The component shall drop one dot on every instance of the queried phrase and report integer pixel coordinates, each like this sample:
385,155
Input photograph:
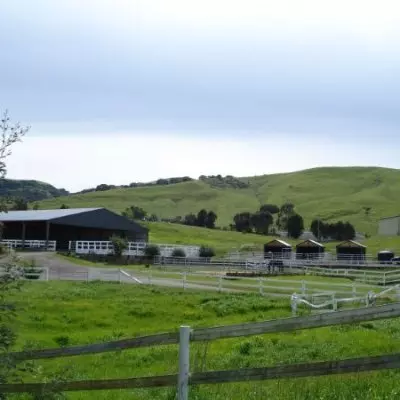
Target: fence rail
30,244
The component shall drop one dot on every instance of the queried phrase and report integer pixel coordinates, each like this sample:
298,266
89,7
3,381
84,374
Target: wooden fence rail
361,364
205,334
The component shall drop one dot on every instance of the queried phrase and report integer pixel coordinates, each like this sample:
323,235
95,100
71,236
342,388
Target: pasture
52,314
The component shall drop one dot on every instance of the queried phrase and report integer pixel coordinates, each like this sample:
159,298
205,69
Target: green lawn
329,193
61,313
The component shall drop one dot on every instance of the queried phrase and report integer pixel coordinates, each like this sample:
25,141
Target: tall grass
56,314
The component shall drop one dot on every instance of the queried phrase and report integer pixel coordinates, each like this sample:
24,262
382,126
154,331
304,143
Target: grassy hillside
29,190
328,193
86,315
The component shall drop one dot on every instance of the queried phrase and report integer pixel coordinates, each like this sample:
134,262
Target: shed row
310,248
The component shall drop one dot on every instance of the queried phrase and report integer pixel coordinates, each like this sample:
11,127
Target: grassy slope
331,193
85,314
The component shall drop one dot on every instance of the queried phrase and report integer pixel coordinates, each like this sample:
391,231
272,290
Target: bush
206,252
31,271
119,243
152,250
178,253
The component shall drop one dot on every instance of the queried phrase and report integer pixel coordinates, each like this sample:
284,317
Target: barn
309,249
350,250
277,249
65,225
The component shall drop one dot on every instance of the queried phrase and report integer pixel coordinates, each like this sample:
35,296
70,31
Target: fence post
261,287
149,278
293,304
184,281
184,363
119,276
384,279
365,276
220,283
334,303
303,287
354,290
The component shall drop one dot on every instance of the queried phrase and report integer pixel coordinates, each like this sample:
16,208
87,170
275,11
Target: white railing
134,248
368,299
30,244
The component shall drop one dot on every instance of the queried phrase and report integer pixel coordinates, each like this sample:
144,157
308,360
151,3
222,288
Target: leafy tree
295,225
134,212
261,221
178,253
10,133
315,228
206,252
271,208
202,218
152,251
211,218
19,204
242,222
64,206
35,206
119,243
285,212
190,219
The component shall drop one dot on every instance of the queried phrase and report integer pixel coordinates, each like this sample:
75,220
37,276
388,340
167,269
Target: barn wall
389,226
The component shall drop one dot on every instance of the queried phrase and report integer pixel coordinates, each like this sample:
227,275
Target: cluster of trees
203,218
262,221
138,213
335,231
228,181
161,182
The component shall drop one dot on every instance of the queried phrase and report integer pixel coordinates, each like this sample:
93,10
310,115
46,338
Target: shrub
119,243
178,253
206,252
31,271
152,250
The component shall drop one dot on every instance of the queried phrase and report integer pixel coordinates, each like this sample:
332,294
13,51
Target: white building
389,226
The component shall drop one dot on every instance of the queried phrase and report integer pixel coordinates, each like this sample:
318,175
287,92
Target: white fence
30,244
134,248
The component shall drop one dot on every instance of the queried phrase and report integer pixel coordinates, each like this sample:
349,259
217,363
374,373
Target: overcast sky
118,91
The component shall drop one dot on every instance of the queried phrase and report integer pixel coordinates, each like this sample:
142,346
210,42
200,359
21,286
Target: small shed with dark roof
350,250
277,249
71,224
309,249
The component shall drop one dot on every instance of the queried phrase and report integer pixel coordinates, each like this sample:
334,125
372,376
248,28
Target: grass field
225,241
329,193
56,314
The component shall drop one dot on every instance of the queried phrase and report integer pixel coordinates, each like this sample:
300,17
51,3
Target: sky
120,91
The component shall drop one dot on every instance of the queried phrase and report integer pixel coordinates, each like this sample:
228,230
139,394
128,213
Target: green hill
29,190
331,193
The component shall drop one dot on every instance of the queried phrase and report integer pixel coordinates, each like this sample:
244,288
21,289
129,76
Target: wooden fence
186,335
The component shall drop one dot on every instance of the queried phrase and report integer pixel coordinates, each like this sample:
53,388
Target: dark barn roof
350,244
83,217
278,243
310,243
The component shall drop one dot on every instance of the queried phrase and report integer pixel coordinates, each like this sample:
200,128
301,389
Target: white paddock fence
134,248
30,244
368,299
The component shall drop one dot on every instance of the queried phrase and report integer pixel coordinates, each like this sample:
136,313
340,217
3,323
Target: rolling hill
331,193
30,190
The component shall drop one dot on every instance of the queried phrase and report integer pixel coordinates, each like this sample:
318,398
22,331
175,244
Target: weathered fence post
303,287
261,287
46,275
149,278
354,290
119,276
184,363
293,304
184,281
220,283
384,279
334,304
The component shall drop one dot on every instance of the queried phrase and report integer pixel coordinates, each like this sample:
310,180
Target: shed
64,225
385,256
309,249
277,249
350,250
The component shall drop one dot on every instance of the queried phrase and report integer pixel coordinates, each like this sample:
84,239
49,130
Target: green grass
330,193
55,313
